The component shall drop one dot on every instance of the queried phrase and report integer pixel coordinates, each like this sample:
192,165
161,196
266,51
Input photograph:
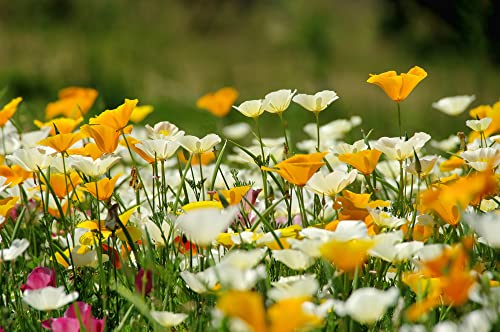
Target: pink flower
70,322
144,283
40,277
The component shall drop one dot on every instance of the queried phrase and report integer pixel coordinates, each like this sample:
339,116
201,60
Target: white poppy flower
448,144
48,298
385,219
454,105
278,101
343,147
367,305
167,318
396,148
482,158
487,226
317,102
293,287
164,129
243,259
252,108
199,145
160,148
294,259
16,249
198,282
479,125
235,278
427,164
446,326
31,139
202,226
331,184
388,248
31,159
237,130
91,167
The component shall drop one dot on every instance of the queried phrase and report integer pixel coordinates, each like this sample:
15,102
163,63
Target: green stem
399,120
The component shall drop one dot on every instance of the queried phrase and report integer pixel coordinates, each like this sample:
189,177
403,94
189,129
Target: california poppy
73,102
299,168
117,118
218,103
8,110
364,161
398,87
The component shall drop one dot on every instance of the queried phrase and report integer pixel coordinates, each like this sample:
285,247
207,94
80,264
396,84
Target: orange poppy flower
73,103
132,142
364,161
61,142
14,174
105,137
102,189
117,118
453,163
8,110
252,311
486,111
89,150
58,182
63,125
398,87
446,200
299,168
204,158
218,103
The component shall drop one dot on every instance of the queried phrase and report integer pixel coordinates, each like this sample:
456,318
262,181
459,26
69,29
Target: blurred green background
168,53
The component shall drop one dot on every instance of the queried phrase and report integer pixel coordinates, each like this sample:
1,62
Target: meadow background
168,53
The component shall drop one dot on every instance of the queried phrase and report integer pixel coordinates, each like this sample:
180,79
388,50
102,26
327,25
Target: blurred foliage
170,52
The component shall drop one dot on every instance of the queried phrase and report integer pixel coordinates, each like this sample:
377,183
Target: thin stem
288,148
399,121
263,173
317,131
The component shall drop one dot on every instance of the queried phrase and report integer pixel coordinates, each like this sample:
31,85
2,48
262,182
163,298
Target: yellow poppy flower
61,142
251,311
250,308
73,103
299,168
117,118
99,229
364,161
204,158
102,189
234,195
218,103
347,255
140,113
8,110
6,204
398,87
63,125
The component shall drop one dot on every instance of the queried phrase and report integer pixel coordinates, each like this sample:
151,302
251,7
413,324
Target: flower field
111,224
